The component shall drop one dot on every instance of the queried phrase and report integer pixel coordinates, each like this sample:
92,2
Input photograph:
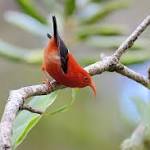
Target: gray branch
108,63
131,39
138,140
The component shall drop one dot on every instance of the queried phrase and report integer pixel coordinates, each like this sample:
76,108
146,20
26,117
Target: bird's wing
63,55
63,51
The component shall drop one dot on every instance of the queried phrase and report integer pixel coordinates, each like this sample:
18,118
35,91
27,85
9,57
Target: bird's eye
85,78
49,36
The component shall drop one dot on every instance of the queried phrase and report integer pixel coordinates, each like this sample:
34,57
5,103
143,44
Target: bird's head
87,81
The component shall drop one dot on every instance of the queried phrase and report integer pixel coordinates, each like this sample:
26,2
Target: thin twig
137,139
131,39
110,63
133,75
31,109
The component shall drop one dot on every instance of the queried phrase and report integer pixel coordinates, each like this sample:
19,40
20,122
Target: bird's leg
51,84
47,79
46,76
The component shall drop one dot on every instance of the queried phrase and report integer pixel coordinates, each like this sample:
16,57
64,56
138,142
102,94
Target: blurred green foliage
143,108
70,7
106,9
85,25
105,30
30,9
141,140
98,35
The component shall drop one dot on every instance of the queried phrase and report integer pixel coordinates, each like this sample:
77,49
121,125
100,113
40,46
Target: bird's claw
50,84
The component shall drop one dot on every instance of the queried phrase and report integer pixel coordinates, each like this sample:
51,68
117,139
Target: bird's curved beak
93,86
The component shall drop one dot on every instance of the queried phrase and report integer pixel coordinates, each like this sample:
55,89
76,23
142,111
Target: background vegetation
89,27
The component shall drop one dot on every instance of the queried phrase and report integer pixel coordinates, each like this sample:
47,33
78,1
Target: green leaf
134,57
26,120
87,61
97,1
113,42
105,30
74,94
15,53
131,57
143,108
66,107
107,9
70,6
12,52
27,23
34,57
29,8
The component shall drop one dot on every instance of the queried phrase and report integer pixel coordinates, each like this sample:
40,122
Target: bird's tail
55,31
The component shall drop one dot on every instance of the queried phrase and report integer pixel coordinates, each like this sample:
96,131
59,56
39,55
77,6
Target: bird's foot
51,84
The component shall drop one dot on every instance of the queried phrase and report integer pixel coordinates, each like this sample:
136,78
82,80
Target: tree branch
137,141
133,75
108,63
131,39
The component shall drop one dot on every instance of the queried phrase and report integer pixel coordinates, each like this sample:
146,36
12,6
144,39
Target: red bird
60,64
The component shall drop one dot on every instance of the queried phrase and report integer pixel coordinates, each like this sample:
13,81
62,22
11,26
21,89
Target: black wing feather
63,55
61,46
